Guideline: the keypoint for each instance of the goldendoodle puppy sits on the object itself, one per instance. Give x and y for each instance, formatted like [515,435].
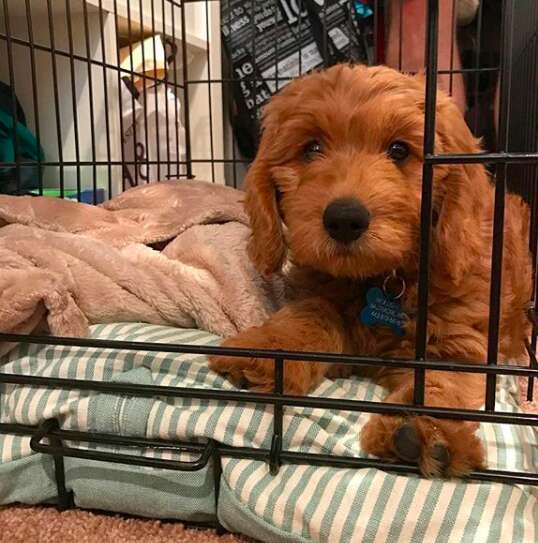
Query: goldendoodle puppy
[336,190]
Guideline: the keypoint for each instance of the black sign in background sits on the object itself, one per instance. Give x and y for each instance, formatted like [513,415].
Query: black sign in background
[268,42]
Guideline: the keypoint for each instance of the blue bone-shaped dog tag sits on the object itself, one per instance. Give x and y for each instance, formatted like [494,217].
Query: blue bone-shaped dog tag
[382,310]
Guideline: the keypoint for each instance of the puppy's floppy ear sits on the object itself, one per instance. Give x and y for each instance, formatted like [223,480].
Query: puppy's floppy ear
[267,248]
[461,197]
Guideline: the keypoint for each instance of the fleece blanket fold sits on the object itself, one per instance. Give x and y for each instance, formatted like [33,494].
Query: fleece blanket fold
[169,253]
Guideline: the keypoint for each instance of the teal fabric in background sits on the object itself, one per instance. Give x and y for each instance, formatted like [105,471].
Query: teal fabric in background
[26,149]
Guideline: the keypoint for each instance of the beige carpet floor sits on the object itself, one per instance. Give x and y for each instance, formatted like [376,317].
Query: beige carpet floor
[20,524]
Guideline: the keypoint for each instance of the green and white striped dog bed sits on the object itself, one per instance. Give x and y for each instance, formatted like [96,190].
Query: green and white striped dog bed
[301,503]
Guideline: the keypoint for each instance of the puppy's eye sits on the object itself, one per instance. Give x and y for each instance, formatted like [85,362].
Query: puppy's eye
[398,151]
[312,150]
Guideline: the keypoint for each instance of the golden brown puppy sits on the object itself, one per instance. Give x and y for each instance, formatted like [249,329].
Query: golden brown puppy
[336,189]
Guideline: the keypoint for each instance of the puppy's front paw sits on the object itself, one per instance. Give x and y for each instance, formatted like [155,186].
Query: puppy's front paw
[258,373]
[439,447]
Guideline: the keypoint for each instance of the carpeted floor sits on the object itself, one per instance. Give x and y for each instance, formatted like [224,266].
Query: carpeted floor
[46,525]
[20,524]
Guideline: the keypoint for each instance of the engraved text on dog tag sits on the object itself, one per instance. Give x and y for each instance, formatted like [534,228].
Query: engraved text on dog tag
[383,310]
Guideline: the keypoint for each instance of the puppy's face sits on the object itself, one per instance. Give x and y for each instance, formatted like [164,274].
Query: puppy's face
[341,161]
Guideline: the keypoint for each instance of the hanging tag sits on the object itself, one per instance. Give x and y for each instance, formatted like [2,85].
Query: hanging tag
[382,309]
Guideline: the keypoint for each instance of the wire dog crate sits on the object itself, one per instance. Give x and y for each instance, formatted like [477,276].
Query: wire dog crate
[63,60]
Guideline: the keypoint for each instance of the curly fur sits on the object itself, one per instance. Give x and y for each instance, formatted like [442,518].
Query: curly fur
[357,112]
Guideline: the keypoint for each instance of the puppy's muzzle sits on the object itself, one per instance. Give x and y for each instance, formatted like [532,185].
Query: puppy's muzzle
[346,220]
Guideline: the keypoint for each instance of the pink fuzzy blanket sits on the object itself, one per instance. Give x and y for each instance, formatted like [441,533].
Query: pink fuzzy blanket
[166,253]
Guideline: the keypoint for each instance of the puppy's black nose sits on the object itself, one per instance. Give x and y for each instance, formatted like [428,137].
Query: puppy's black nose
[345,220]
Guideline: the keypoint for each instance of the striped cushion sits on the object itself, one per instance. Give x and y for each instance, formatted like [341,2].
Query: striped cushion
[301,503]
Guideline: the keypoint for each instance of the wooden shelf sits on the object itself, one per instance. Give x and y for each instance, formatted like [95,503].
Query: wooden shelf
[39,11]
[139,31]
